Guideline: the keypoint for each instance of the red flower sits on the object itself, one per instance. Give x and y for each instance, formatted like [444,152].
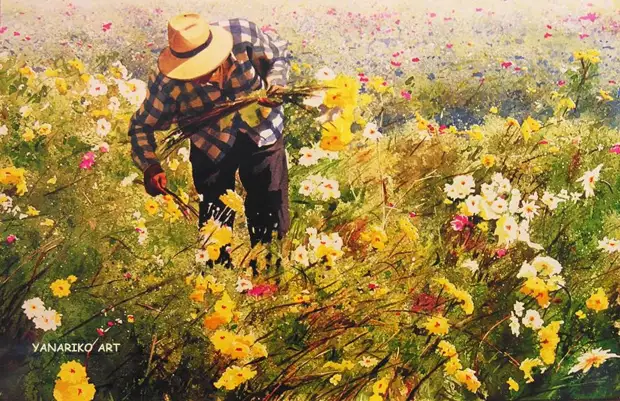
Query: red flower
[459,222]
[415,60]
[263,290]
[561,82]
[11,239]
[501,253]
[548,35]
[615,149]
[100,332]
[106,27]
[583,36]
[507,64]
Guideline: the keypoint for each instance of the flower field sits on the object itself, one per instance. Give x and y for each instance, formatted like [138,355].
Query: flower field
[454,199]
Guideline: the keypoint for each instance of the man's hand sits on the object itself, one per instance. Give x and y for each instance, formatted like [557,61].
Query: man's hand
[274,90]
[155,180]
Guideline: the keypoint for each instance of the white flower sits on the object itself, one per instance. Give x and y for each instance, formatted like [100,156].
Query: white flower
[307,187]
[532,320]
[515,199]
[243,285]
[103,127]
[201,255]
[529,209]
[507,230]
[514,325]
[316,100]
[33,307]
[371,131]
[472,265]
[300,255]
[184,153]
[25,111]
[519,308]
[310,156]
[589,179]
[463,185]
[499,206]
[47,320]
[527,271]
[122,69]
[547,265]
[134,90]
[594,358]
[488,192]
[4,130]
[114,104]
[325,74]
[473,203]
[503,184]
[610,245]
[551,200]
[329,189]
[127,181]
[575,196]
[368,361]
[96,87]
[524,235]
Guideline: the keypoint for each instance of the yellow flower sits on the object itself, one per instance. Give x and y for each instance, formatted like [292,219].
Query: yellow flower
[446,349]
[437,325]
[47,222]
[72,372]
[174,164]
[365,99]
[31,211]
[335,379]
[605,96]
[199,296]
[52,180]
[475,133]
[453,365]
[77,64]
[27,72]
[566,103]
[61,85]
[483,226]
[511,122]
[72,279]
[379,85]
[342,93]
[232,200]
[591,56]
[580,314]
[61,288]
[598,301]
[468,377]
[82,391]
[50,72]
[45,129]
[549,339]
[409,229]
[234,376]
[537,288]
[527,365]
[529,127]
[380,387]
[512,384]
[14,176]
[488,161]
[493,110]
[151,206]
[295,68]
[336,135]
[28,135]
[376,237]
[222,340]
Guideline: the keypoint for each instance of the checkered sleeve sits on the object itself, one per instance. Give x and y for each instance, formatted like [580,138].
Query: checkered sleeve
[271,50]
[156,113]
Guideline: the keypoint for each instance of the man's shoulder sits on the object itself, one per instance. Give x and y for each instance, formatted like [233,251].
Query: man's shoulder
[243,30]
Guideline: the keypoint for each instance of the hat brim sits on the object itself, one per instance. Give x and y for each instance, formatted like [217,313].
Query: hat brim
[202,63]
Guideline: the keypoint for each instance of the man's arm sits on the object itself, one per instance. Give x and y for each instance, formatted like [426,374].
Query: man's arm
[155,113]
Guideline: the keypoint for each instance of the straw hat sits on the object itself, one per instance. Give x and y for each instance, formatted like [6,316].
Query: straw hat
[195,47]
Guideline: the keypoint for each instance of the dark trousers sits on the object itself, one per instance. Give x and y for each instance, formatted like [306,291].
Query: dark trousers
[264,175]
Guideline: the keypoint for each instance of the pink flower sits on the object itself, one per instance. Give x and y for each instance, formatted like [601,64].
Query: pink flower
[415,60]
[405,94]
[100,332]
[110,323]
[263,290]
[561,82]
[615,149]
[412,214]
[106,27]
[88,160]
[3,29]
[548,35]
[582,36]
[506,64]
[16,33]
[10,239]
[395,63]
[501,253]
[589,17]
[449,45]
[459,222]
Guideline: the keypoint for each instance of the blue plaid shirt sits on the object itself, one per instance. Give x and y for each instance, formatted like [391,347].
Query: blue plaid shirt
[256,61]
